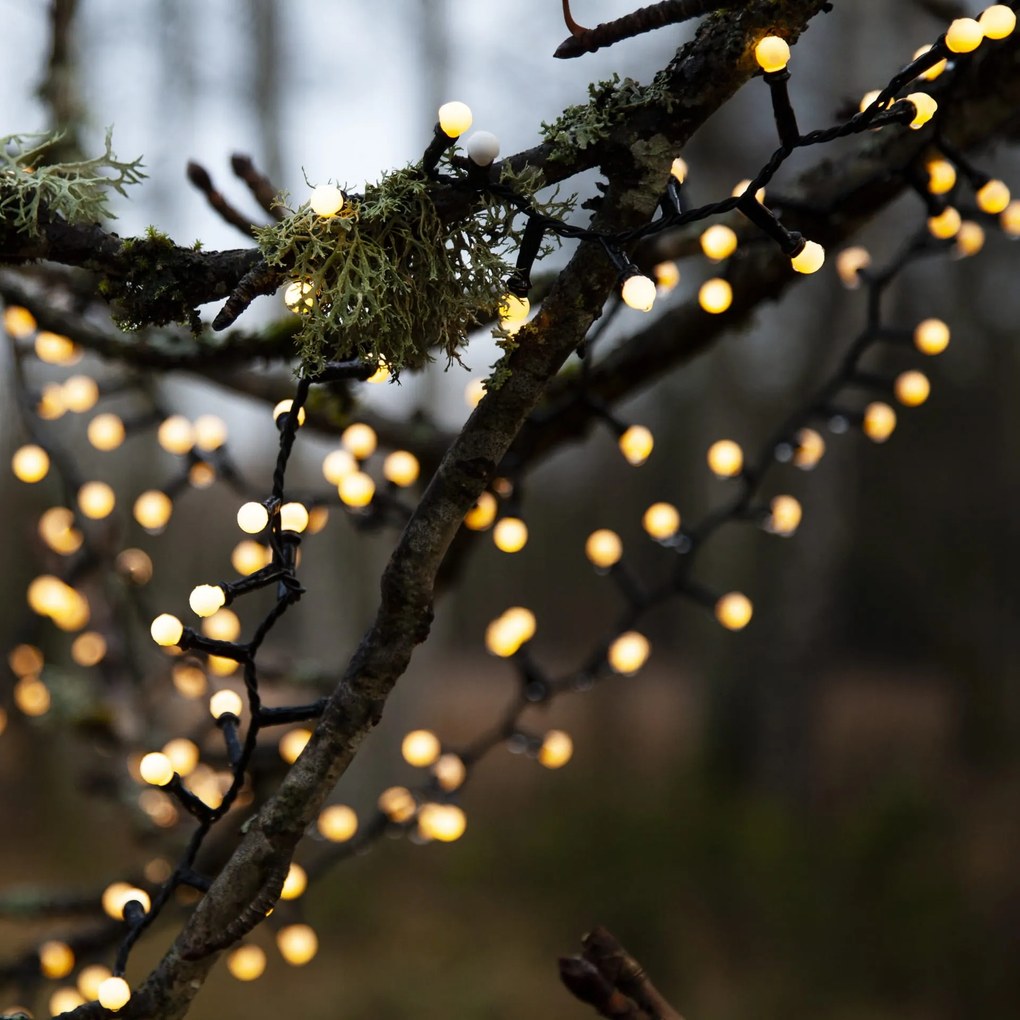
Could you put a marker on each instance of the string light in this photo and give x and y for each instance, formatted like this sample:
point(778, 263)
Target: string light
point(89, 980)
point(473, 393)
point(513, 312)
point(152, 510)
point(455, 118)
point(849, 264)
point(25, 659)
point(638, 292)
point(249, 556)
point(337, 465)
point(359, 440)
point(964, 35)
point(628, 653)
point(420, 748)
point(505, 635)
point(80, 393)
point(772, 54)
point(661, 520)
point(32, 696)
point(225, 702)
point(96, 500)
point(114, 994)
point(284, 407)
point(19, 323)
point(809, 259)
point(715, 296)
point(931, 336)
point(252, 518)
point(667, 276)
point(401, 467)
point(297, 943)
point(292, 743)
point(941, 176)
point(88, 649)
point(299, 296)
point(556, 750)
point(482, 148)
point(182, 755)
point(935, 70)
point(734, 610)
point(326, 200)
point(997, 21)
point(945, 224)
point(189, 680)
point(992, 197)
point(156, 768)
point(483, 513)
point(912, 388)
point(166, 630)
point(603, 548)
point(246, 962)
point(56, 959)
point(57, 530)
point(206, 599)
point(924, 109)
point(970, 239)
point(510, 534)
point(397, 803)
point(51, 402)
point(443, 822)
point(295, 883)
point(784, 516)
point(725, 458)
point(356, 489)
point(55, 349)
point(63, 1000)
point(718, 242)
point(223, 625)
point(293, 518)
point(30, 463)
point(106, 431)
point(636, 444)
point(338, 823)
point(176, 434)
point(879, 421)
point(678, 170)
point(450, 771)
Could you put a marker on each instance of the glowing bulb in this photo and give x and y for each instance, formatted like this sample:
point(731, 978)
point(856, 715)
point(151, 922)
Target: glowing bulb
point(849, 263)
point(946, 224)
point(935, 70)
point(63, 1000)
point(55, 349)
point(505, 635)
point(176, 434)
point(482, 147)
point(969, 240)
point(225, 702)
point(223, 625)
point(326, 200)
point(401, 468)
point(206, 599)
point(113, 993)
point(249, 556)
point(80, 393)
point(152, 510)
point(381, 374)
point(90, 978)
point(51, 402)
point(556, 750)
point(636, 444)
point(252, 518)
point(284, 407)
point(293, 517)
point(1009, 219)
point(105, 431)
point(30, 463)
point(510, 534)
point(337, 465)
point(397, 803)
point(298, 296)
point(997, 21)
point(88, 649)
point(941, 176)
point(719, 242)
point(210, 431)
point(420, 748)
point(156, 768)
point(96, 500)
point(725, 458)
point(57, 530)
point(25, 659)
point(628, 653)
point(772, 53)
point(513, 312)
point(443, 822)
point(360, 440)
point(473, 393)
point(356, 489)
point(868, 98)
point(19, 323)
point(56, 959)
point(246, 963)
point(292, 744)
point(924, 108)
point(454, 119)
point(964, 35)
point(879, 421)
point(603, 548)
point(450, 771)
point(734, 610)
point(785, 516)
point(912, 388)
point(667, 276)
point(992, 197)
point(338, 823)
point(115, 895)
point(483, 513)
point(809, 259)
point(931, 336)
point(741, 187)
point(678, 169)
point(715, 295)
point(661, 520)
point(638, 292)
point(166, 630)
point(182, 754)
point(295, 883)
point(135, 565)
point(32, 696)
point(189, 680)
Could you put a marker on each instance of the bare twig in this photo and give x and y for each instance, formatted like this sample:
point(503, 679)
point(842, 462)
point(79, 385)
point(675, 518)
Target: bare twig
point(260, 186)
point(200, 178)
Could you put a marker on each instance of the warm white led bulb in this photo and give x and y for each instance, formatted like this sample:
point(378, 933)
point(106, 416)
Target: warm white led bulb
point(156, 768)
point(772, 53)
point(252, 518)
point(455, 118)
point(166, 630)
point(326, 200)
point(114, 993)
point(638, 292)
point(225, 702)
point(206, 599)
point(809, 259)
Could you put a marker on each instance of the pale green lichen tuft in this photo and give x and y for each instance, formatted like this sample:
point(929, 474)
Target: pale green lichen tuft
point(387, 278)
point(79, 191)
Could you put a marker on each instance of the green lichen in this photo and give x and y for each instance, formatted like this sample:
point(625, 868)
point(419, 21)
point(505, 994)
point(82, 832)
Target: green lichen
point(387, 278)
point(79, 191)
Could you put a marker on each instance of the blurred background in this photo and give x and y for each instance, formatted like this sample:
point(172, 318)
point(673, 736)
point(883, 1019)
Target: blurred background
point(818, 814)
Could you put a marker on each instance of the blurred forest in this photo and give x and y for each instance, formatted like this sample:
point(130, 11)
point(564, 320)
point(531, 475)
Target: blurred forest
point(815, 816)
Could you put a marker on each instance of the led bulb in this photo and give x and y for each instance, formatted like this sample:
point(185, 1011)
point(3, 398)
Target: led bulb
point(636, 444)
point(90, 978)
point(741, 187)
point(105, 431)
point(1009, 219)
point(420, 748)
point(156, 768)
point(32, 696)
point(941, 176)
point(356, 489)
point(638, 292)
point(556, 750)
point(401, 468)
point(483, 513)
point(849, 264)
point(992, 197)
point(182, 754)
point(166, 630)
point(734, 610)
point(785, 516)
point(326, 200)
point(603, 548)
point(879, 421)
point(225, 702)
point(299, 296)
point(912, 388)
point(964, 35)
point(678, 169)
point(25, 659)
point(505, 635)
point(946, 224)
point(718, 242)
point(715, 295)
point(210, 431)
point(284, 407)
point(56, 960)
point(30, 463)
point(295, 883)
point(176, 434)
point(997, 21)
point(482, 147)
point(397, 803)
point(96, 500)
point(206, 599)
point(661, 520)
point(249, 556)
point(628, 653)
point(114, 993)
point(63, 1000)
point(19, 323)
point(443, 822)
point(252, 518)
point(152, 510)
point(454, 119)
point(293, 518)
point(970, 239)
point(359, 440)
point(772, 53)
point(338, 823)
point(450, 771)
point(246, 963)
point(809, 259)
point(513, 312)
point(293, 743)
point(223, 625)
point(88, 649)
point(667, 276)
point(55, 349)
point(924, 108)
point(931, 336)
point(935, 70)
point(80, 393)
point(337, 464)
point(725, 458)
point(868, 98)
point(510, 534)
point(134, 565)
